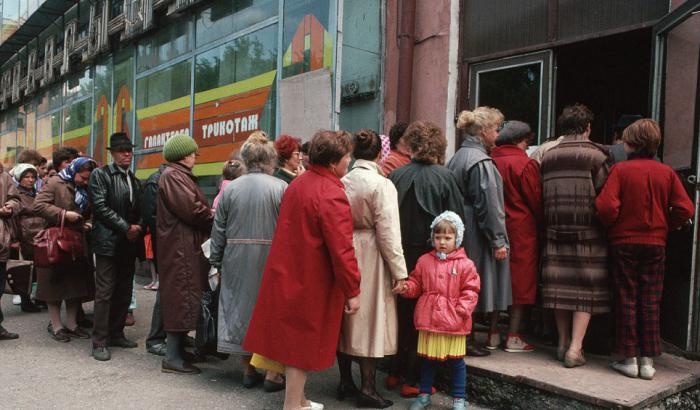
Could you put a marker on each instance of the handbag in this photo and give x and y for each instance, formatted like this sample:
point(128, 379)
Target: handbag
point(206, 337)
point(58, 246)
point(19, 276)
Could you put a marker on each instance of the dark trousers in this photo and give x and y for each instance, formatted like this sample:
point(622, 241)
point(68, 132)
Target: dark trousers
point(3, 279)
point(157, 335)
point(638, 271)
point(113, 285)
point(459, 376)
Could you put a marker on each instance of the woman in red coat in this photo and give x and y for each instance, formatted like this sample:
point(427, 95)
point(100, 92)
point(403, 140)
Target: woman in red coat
point(311, 274)
point(523, 198)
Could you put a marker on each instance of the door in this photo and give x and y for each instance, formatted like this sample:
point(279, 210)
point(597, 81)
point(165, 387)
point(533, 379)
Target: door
point(519, 86)
point(674, 103)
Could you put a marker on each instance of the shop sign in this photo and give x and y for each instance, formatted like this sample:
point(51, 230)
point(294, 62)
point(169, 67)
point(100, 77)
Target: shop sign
point(159, 139)
point(218, 130)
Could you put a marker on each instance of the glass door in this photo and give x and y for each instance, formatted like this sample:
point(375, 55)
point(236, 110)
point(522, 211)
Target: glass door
point(674, 103)
point(518, 86)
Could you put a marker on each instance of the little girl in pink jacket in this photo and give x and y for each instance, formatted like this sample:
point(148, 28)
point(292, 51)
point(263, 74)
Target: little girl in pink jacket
point(447, 285)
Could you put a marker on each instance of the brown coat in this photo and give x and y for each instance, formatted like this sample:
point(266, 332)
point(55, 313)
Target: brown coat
point(68, 283)
point(28, 224)
point(5, 224)
point(183, 220)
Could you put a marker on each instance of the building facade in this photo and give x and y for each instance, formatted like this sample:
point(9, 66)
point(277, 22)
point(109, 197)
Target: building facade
point(77, 71)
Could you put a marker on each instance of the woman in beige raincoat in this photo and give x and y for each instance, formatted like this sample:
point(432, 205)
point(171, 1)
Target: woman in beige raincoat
point(372, 332)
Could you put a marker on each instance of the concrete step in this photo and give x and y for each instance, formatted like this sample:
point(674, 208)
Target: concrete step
point(537, 380)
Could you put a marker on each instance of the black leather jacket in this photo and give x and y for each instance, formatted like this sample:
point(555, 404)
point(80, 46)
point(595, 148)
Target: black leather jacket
point(113, 212)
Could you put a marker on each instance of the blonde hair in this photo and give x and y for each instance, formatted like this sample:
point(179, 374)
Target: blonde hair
point(472, 122)
point(258, 152)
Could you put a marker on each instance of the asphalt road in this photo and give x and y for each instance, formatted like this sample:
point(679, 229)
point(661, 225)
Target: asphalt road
point(38, 372)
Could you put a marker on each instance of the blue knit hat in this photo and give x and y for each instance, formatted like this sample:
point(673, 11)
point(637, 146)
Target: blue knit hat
point(455, 220)
point(178, 147)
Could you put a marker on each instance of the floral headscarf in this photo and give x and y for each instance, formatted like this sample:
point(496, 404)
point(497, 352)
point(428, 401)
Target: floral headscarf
point(386, 149)
point(68, 174)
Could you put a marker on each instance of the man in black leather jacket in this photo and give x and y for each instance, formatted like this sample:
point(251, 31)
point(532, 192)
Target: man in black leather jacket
point(116, 242)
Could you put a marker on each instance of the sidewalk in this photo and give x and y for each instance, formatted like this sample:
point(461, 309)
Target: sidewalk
point(537, 380)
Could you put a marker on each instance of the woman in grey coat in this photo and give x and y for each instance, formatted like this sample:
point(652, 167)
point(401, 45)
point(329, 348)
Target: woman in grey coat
point(485, 239)
point(245, 221)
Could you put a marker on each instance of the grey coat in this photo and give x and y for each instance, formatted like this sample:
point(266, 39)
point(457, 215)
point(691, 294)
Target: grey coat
point(244, 225)
point(484, 220)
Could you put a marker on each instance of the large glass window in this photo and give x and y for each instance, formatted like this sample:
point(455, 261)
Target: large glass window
point(171, 41)
point(306, 36)
point(8, 137)
point(102, 119)
point(225, 17)
point(76, 114)
point(234, 95)
point(162, 110)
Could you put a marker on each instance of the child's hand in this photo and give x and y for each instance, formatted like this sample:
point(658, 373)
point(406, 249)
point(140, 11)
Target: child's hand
point(400, 287)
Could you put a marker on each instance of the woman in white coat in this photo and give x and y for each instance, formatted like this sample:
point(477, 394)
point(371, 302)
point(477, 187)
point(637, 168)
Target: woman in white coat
point(371, 333)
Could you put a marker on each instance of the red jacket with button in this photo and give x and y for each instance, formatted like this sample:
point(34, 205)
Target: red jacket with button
point(641, 200)
point(448, 292)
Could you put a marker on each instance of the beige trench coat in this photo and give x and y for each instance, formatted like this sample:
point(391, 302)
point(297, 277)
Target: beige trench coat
point(372, 332)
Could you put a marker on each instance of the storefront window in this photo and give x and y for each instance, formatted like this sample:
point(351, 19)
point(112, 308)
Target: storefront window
point(234, 95)
point(29, 140)
point(162, 109)
point(172, 41)
point(8, 137)
point(306, 36)
point(102, 114)
point(48, 129)
point(76, 114)
point(225, 17)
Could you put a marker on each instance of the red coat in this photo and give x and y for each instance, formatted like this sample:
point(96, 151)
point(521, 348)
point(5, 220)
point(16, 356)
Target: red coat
point(310, 272)
point(641, 200)
point(448, 290)
point(522, 191)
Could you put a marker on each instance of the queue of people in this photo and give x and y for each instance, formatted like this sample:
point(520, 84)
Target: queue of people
point(394, 256)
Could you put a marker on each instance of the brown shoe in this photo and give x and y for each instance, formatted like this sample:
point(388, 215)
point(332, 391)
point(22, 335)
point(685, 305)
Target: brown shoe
point(574, 359)
point(186, 368)
point(61, 335)
point(5, 335)
point(79, 333)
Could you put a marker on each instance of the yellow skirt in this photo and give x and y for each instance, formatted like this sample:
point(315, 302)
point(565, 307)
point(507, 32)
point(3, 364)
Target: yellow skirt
point(262, 362)
point(440, 346)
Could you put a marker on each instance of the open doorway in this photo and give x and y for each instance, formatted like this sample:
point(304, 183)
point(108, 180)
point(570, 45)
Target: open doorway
point(608, 74)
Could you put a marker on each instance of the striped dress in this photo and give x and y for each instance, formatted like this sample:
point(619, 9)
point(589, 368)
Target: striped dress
point(574, 265)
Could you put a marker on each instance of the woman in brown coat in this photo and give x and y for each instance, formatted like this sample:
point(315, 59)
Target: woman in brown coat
point(20, 201)
point(66, 194)
point(184, 220)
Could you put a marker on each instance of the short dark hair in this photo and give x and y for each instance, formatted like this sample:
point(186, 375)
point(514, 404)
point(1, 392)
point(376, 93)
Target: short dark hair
point(30, 156)
point(328, 147)
point(64, 154)
point(233, 169)
point(396, 132)
point(368, 145)
point(574, 120)
point(305, 148)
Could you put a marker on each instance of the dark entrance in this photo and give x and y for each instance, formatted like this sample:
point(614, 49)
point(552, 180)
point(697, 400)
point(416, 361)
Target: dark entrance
point(608, 74)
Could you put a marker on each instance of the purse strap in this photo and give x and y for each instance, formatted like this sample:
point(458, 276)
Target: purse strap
point(63, 218)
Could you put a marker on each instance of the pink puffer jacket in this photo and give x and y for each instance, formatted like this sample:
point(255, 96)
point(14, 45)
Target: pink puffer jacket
point(448, 293)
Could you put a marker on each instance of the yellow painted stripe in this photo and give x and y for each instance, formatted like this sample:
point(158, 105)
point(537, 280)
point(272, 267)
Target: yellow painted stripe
point(239, 87)
point(327, 50)
point(212, 168)
point(80, 132)
point(287, 58)
point(168, 106)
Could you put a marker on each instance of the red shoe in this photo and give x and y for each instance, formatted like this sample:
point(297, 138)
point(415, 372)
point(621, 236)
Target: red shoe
point(129, 321)
point(392, 382)
point(411, 391)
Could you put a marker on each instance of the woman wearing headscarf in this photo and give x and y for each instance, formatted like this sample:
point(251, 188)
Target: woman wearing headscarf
point(65, 197)
point(425, 190)
point(245, 222)
point(522, 192)
point(27, 224)
point(183, 223)
point(371, 334)
point(311, 276)
point(486, 242)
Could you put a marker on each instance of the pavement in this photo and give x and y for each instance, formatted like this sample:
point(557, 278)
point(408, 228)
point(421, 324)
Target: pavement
point(38, 372)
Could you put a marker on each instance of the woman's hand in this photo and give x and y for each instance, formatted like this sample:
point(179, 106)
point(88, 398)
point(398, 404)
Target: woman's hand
point(500, 253)
point(400, 287)
point(72, 216)
point(352, 305)
point(300, 169)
